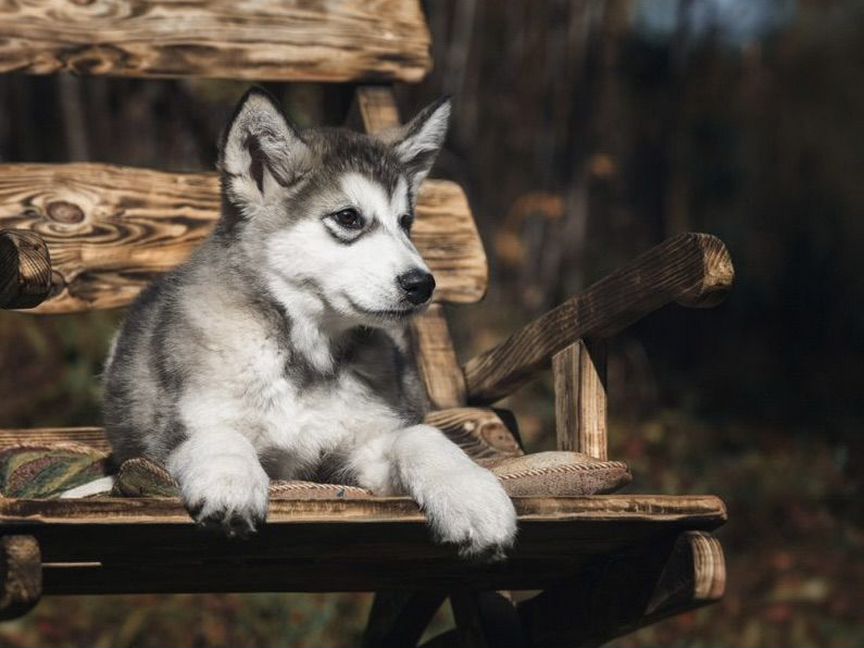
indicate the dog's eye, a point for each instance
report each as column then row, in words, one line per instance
column 406, row 221
column 349, row 219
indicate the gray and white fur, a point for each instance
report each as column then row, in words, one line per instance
column 278, row 351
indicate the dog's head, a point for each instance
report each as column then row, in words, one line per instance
column 326, row 214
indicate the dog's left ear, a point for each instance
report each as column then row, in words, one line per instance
column 260, row 152
column 418, row 142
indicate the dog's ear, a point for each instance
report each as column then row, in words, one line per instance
column 418, row 142
column 260, row 152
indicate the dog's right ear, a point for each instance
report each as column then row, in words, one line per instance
column 260, row 152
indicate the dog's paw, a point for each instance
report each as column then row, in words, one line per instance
column 471, row 510
column 230, row 493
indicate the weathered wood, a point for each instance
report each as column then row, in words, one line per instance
column 692, row 269
column 579, row 373
column 20, row 575
column 621, row 593
column 110, row 230
column 25, row 269
column 376, row 108
column 436, row 359
column 329, row 40
column 478, row 431
column 651, row 509
column 139, row 545
column 398, row 618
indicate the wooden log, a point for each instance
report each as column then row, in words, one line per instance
column 25, row 269
column 694, row 270
column 329, row 40
column 579, row 373
column 20, row 575
column 110, row 230
column 376, row 110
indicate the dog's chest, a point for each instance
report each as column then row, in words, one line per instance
column 311, row 415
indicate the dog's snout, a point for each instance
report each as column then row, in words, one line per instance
column 418, row 285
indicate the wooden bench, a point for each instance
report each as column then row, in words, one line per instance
column 77, row 237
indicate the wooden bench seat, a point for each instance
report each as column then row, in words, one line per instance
column 134, row 545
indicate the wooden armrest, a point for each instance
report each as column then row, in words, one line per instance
column 25, row 269
column 692, row 269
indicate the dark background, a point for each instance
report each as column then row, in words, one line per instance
column 584, row 132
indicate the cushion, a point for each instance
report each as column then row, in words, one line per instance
column 560, row 474
column 46, row 470
column 142, row 478
column 76, row 470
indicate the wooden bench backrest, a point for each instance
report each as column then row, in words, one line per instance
column 110, row 230
column 264, row 40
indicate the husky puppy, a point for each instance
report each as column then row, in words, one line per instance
column 278, row 351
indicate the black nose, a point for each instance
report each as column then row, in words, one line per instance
column 418, row 286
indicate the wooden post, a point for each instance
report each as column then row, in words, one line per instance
column 436, row 358
column 580, row 397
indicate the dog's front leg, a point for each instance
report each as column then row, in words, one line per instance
column 221, row 480
column 465, row 503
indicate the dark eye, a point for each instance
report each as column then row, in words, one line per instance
column 349, row 219
column 406, row 221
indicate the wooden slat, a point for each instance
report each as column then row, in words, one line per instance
column 579, row 372
column 694, row 270
column 139, row 545
column 436, row 358
column 291, row 40
column 704, row 511
column 110, row 230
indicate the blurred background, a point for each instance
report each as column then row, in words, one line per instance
column 584, row 132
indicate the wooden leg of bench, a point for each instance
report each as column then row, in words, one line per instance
column 398, row 619
column 483, row 620
column 20, row 575
column 626, row 593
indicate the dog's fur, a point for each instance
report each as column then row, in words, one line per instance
column 279, row 349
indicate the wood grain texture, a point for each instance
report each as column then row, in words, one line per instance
column 376, row 110
column 25, row 269
column 110, row 230
column 579, row 373
column 293, row 40
column 692, row 269
column 151, row 545
column 480, row 432
column 20, row 575
column 436, row 359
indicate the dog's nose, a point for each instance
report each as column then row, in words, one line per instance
column 418, row 285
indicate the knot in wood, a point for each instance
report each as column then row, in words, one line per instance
column 65, row 212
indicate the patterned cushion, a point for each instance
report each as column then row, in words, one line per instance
column 142, row 478
column 49, row 471
column 44, row 471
